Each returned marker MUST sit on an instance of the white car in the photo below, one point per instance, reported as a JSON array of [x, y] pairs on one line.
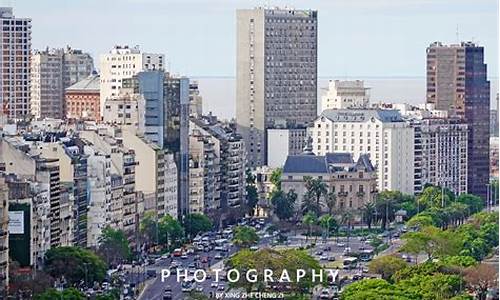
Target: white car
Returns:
[[184, 256], [325, 294], [323, 257], [214, 284], [341, 244]]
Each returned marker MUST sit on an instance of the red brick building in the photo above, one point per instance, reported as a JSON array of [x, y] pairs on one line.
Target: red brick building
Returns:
[[82, 100]]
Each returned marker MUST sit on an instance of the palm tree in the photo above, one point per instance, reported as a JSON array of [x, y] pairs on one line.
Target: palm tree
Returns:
[[309, 204], [309, 219], [316, 188], [331, 201], [367, 212], [346, 218], [325, 222], [385, 206]]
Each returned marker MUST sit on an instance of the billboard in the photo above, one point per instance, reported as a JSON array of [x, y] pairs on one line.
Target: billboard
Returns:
[[16, 222]]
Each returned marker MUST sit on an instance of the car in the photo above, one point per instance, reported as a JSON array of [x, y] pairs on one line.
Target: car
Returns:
[[325, 294], [167, 295], [214, 284], [192, 265], [331, 258], [319, 253], [218, 256], [199, 288], [323, 257], [254, 248], [347, 250], [184, 256], [341, 244], [186, 287], [356, 277], [220, 288], [204, 259], [190, 251]]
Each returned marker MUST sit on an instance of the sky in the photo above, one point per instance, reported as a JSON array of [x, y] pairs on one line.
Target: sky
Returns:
[[357, 38]]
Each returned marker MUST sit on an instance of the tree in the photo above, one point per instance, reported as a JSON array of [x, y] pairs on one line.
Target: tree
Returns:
[[21, 285], [433, 241], [367, 211], [480, 278], [283, 204], [375, 289], [275, 178], [66, 294], [327, 223], [386, 266], [474, 203], [245, 236], [316, 189], [114, 246], [309, 205], [75, 264], [148, 228], [309, 220], [197, 223], [276, 260], [252, 198], [420, 220], [331, 201], [170, 231], [386, 206]]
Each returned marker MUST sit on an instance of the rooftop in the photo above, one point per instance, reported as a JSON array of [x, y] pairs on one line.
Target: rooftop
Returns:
[[330, 163], [88, 84]]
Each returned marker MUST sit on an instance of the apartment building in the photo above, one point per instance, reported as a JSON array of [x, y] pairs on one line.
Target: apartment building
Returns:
[[124, 62], [440, 153], [457, 83], [353, 182], [383, 135], [155, 175], [195, 100], [4, 237], [276, 74], [15, 67], [345, 94], [121, 110], [52, 71], [82, 100]]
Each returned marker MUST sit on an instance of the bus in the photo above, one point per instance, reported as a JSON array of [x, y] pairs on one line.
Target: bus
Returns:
[[350, 262], [366, 255]]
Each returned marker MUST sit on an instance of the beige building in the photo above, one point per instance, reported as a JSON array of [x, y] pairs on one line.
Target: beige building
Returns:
[[345, 94], [124, 62], [155, 175], [354, 183], [383, 135], [121, 110], [276, 74]]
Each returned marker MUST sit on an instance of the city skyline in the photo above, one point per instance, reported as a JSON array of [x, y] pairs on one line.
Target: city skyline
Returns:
[[363, 24]]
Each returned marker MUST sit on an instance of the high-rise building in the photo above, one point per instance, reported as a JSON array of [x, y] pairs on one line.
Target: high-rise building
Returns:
[[195, 100], [163, 113], [440, 153], [276, 74], [345, 94], [124, 62], [4, 237], [383, 135], [457, 82], [52, 71], [15, 65]]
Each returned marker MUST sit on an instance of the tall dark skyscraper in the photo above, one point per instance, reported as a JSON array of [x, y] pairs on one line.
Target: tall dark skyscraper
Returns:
[[457, 82], [276, 74]]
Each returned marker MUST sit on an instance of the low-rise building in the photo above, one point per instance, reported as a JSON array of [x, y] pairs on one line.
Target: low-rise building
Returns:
[[345, 94], [82, 100], [354, 183]]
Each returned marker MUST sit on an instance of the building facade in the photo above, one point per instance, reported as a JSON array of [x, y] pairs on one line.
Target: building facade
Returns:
[[457, 82], [15, 69], [4, 237], [82, 100], [124, 62], [345, 94], [52, 71], [284, 142], [441, 153], [354, 183], [383, 135], [276, 74]]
